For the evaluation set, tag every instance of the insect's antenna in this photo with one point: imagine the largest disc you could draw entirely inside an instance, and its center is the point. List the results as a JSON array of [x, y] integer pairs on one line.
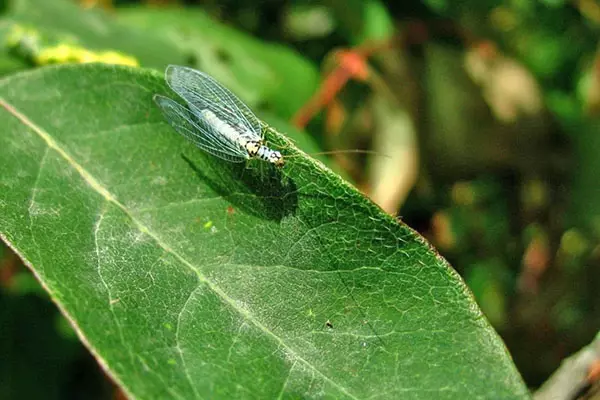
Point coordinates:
[[350, 151]]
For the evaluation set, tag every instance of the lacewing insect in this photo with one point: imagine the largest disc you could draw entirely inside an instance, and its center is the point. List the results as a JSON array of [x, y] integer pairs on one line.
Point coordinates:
[[215, 120]]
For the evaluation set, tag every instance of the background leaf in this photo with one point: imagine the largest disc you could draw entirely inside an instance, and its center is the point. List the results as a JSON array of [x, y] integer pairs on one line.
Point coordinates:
[[265, 75], [187, 276], [63, 21]]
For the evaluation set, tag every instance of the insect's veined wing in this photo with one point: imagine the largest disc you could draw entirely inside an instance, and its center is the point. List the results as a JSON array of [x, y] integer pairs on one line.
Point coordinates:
[[201, 91], [199, 131]]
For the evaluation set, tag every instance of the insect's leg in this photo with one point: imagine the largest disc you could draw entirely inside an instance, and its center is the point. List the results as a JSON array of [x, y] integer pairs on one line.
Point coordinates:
[[286, 146], [246, 167]]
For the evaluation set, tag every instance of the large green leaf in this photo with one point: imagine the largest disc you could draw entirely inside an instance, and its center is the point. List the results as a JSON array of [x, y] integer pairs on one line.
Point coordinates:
[[190, 277]]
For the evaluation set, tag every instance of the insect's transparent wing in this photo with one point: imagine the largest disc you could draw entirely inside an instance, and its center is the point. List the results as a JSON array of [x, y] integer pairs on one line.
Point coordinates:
[[198, 131], [201, 91]]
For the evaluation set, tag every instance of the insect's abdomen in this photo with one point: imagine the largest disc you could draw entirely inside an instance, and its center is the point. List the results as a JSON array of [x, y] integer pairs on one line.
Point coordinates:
[[221, 126]]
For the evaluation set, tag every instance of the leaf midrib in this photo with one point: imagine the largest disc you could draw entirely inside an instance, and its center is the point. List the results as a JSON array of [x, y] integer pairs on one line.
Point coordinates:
[[105, 193]]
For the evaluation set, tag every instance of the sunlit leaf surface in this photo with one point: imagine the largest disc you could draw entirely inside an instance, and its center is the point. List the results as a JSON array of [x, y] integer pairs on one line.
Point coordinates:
[[191, 277]]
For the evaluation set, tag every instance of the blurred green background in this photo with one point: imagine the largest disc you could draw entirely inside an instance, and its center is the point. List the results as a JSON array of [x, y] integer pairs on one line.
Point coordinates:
[[482, 116]]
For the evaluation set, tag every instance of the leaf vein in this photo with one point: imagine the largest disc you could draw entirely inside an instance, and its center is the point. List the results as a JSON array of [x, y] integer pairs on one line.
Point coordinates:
[[178, 341], [111, 301], [32, 203]]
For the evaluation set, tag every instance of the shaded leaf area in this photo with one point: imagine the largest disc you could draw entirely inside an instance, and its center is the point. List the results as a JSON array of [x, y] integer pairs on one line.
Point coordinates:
[[188, 276], [31, 347]]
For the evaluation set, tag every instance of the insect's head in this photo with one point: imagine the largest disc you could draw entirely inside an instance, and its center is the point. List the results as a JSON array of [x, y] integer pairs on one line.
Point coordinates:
[[277, 159]]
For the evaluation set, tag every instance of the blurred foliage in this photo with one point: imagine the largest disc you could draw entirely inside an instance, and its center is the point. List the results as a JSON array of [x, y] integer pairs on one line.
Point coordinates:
[[36, 342], [504, 96], [262, 74]]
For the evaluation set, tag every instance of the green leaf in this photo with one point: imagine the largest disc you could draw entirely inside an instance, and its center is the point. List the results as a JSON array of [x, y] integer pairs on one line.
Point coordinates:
[[62, 21], [362, 22], [188, 276], [264, 75]]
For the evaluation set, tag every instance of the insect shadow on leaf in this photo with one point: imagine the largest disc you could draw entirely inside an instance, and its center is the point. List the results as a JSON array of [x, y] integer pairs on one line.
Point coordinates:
[[256, 188]]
